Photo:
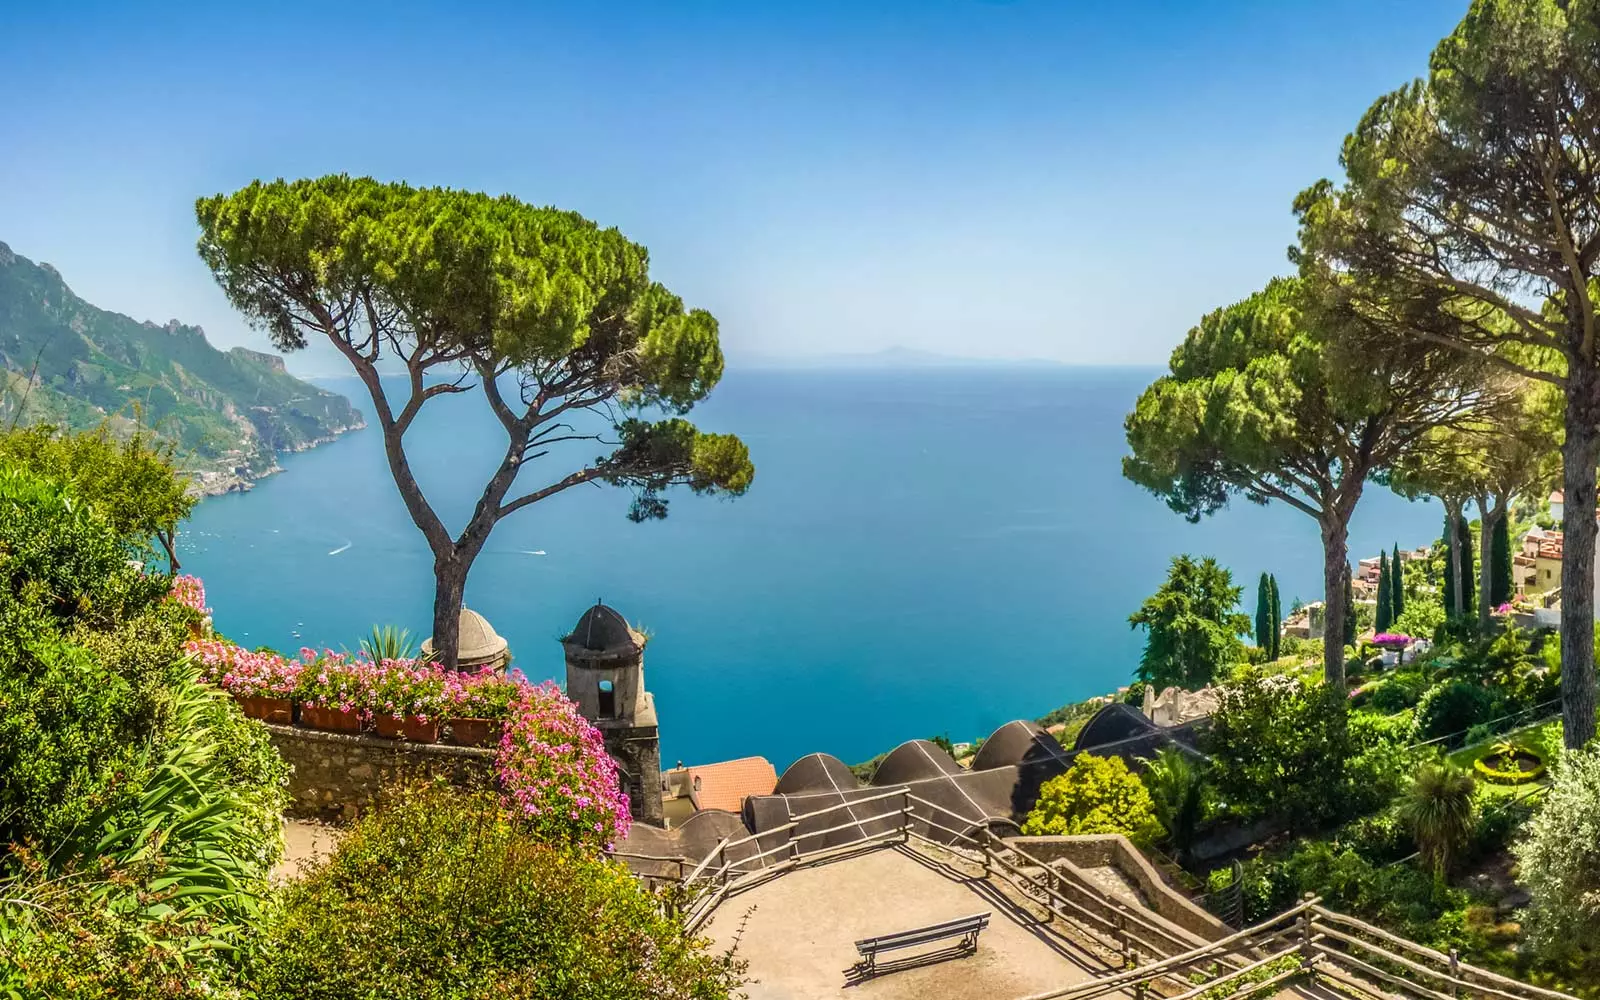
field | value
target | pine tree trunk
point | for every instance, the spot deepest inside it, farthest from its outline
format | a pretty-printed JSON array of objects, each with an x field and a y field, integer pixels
[
  {"x": 450, "y": 587},
  {"x": 1335, "y": 567},
  {"x": 1485, "y": 561},
  {"x": 1452, "y": 566},
  {"x": 1579, "y": 456}
]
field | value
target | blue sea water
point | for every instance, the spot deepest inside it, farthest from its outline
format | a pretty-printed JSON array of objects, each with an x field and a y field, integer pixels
[{"x": 924, "y": 552}]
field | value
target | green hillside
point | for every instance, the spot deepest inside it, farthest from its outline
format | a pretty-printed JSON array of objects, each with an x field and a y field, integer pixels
[{"x": 228, "y": 412}]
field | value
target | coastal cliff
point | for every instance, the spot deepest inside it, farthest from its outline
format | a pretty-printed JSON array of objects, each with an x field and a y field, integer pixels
[{"x": 227, "y": 414}]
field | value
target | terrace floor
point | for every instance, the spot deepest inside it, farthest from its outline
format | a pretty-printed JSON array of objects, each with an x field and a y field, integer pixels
[{"x": 798, "y": 933}]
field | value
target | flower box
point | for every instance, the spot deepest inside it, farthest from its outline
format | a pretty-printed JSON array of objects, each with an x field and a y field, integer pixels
[
  {"x": 330, "y": 719},
  {"x": 408, "y": 727},
  {"x": 278, "y": 711},
  {"x": 476, "y": 732}
]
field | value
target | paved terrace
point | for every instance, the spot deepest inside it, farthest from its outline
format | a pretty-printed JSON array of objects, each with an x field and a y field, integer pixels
[{"x": 798, "y": 932}]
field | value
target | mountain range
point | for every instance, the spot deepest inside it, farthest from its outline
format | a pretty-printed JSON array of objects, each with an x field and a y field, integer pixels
[{"x": 227, "y": 413}]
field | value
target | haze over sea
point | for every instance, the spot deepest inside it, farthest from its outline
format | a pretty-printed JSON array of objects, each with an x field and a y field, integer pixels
[{"x": 924, "y": 551}]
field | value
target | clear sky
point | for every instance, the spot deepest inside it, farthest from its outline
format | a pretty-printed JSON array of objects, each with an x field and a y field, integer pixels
[{"x": 1058, "y": 179}]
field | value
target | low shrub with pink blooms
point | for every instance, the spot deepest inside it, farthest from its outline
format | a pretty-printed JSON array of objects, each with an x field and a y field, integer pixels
[
  {"x": 556, "y": 774},
  {"x": 191, "y": 593},
  {"x": 244, "y": 673}
]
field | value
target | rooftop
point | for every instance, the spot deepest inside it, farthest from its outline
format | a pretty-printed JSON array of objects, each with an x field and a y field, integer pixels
[{"x": 725, "y": 785}]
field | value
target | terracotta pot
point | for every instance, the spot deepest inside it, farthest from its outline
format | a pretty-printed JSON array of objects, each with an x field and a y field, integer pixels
[
  {"x": 407, "y": 728},
  {"x": 278, "y": 711},
  {"x": 330, "y": 719},
  {"x": 476, "y": 732}
]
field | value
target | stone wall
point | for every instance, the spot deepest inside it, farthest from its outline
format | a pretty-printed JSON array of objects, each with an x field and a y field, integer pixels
[
  {"x": 1115, "y": 851},
  {"x": 338, "y": 776}
]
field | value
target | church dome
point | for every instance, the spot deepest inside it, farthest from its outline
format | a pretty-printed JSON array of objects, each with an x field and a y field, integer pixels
[
  {"x": 602, "y": 631},
  {"x": 478, "y": 643}
]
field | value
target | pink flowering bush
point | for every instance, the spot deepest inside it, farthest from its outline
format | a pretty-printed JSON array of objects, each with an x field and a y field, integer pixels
[
  {"x": 244, "y": 673},
  {"x": 191, "y": 593},
  {"x": 556, "y": 774},
  {"x": 402, "y": 687},
  {"x": 485, "y": 694}
]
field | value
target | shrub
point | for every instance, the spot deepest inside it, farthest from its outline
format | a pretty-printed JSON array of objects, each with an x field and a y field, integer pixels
[
  {"x": 1557, "y": 858},
  {"x": 1178, "y": 791},
  {"x": 1095, "y": 795},
  {"x": 1441, "y": 812},
  {"x": 1279, "y": 747},
  {"x": 1402, "y": 690},
  {"x": 557, "y": 776},
  {"x": 1452, "y": 708},
  {"x": 91, "y": 935},
  {"x": 440, "y": 896}
]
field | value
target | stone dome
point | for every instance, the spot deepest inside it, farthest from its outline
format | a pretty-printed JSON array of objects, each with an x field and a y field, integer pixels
[
  {"x": 478, "y": 642},
  {"x": 602, "y": 632}
]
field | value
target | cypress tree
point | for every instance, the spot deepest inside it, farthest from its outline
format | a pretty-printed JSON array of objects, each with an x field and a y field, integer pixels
[
  {"x": 1469, "y": 572},
  {"x": 1264, "y": 615},
  {"x": 1447, "y": 591},
  {"x": 1276, "y": 633},
  {"x": 1397, "y": 577},
  {"x": 1385, "y": 613},
  {"x": 1349, "y": 609},
  {"x": 1500, "y": 572}
]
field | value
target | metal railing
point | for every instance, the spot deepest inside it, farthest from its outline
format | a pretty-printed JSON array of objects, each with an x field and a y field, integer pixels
[{"x": 1307, "y": 940}]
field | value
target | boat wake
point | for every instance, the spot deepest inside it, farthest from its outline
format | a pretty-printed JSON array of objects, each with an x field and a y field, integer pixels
[
  {"x": 533, "y": 552},
  {"x": 340, "y": 549}
]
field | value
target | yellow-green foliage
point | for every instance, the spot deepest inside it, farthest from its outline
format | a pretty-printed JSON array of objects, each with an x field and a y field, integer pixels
[{"x": 1095, "y": 795}]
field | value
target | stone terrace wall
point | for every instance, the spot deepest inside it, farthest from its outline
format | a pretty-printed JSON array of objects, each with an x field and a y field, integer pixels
[
  {"x": 338, "y": 776},
  {"x": 1116, "y": 851}
]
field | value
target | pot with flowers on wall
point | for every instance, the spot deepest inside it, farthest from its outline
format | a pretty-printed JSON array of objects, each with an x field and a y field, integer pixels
[{"x": 478, "y": 705}]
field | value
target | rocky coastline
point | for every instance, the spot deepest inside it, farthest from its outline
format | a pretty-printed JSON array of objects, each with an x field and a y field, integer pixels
[{"x": 212, "y": 482}]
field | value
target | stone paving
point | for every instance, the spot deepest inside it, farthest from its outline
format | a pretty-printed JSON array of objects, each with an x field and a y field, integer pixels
[{"x": 798, "y": 933}]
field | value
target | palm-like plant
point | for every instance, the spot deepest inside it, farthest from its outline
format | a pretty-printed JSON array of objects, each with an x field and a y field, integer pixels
[
  {"x": 387, "y": 642},
  {"x": 1440, "y": 808},
  {"x": 1177, "y": 787}
]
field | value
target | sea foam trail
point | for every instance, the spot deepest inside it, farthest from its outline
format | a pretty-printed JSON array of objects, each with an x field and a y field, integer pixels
[{"x": 340, "y": 549}]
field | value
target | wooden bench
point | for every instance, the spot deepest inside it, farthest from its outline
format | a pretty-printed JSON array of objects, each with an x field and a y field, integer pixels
[{"x": 966, "y": 928}]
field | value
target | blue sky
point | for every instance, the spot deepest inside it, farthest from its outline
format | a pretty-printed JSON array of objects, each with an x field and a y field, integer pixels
[{"x": 1069, "y": 179}]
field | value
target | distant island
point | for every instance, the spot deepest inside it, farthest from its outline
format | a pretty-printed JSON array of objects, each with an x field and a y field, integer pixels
[{"x": 228, "y": 413}]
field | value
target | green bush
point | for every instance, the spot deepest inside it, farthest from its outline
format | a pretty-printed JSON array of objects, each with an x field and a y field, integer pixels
[
  {"x": 1453, "y": 708},
  {"x": 1095, "y": 795},
  {"x": 440, "y": 896},
  {"x": 1400, "y": 691},
  {"x": 87, "y": 934},
  {"x": 1279, "y": 748}
]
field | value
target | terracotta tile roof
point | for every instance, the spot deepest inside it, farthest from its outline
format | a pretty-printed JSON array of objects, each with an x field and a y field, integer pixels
[
  {"x": 1550, "y": 545},
  {"x": 725, "y": 785}
]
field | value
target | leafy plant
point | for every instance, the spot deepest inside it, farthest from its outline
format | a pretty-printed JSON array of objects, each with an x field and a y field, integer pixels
[
  {"x": 1557, "y": 857},
  {"x": 1178, "y": 791},
  {"x": 1452, "y": 708},
  {"x": 1440, "y": 810},
  {"x": 1279, "y": 747},
  {"x": 389, "y": 642},
  {"x": 1192, "y": 625},
  {"x": 441, "y": 896},
  {"x": 1094, "y": 795}
]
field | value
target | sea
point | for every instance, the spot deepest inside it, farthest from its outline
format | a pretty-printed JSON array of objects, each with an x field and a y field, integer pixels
[{"x": 924, "y": 552}]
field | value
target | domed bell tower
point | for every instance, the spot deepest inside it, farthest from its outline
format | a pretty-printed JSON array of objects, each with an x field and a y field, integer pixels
[{"x": 605, "y": 677}]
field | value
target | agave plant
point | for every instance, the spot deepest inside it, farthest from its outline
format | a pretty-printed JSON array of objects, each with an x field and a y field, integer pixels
[{"x": 387, "y": 642}]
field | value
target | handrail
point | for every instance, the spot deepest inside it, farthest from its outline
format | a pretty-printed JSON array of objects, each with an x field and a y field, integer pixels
[
  {"x": 1435, "y": 956},
  {"x": 1154, "y": 969}
]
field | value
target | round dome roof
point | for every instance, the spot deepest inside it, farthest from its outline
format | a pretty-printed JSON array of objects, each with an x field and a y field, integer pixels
[
  {"x": 603, "y": 630},
  {"x": 477, "y": 641}
]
